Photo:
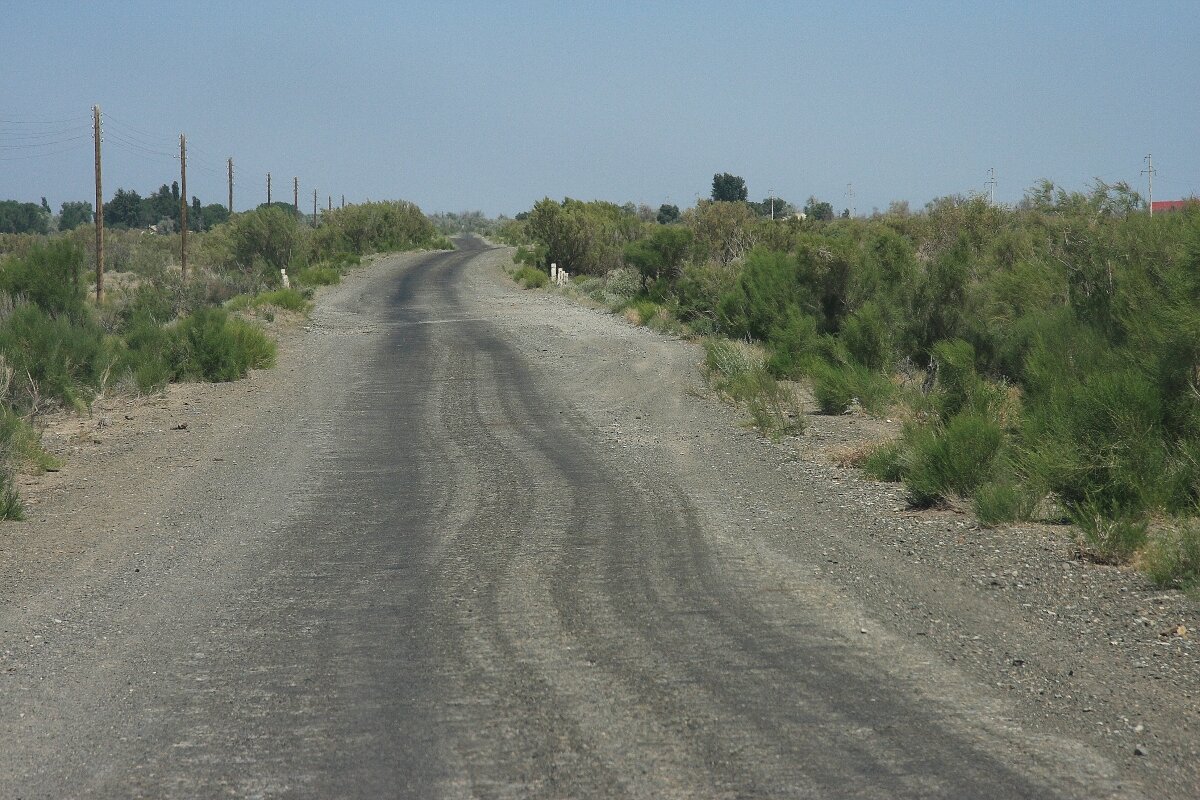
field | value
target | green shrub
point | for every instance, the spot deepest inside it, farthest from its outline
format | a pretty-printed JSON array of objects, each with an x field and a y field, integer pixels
[
  {"x": 373, "y": 228},
  {"x": 48, "y": 276},
  {"x": 837, "y": 386},
  {"x": 55, "y": 357},
  {"x": 21, "y": 445},
  {"x": 743, "y": 378},
  {"x": 216, "y": 347},
  {"x": 10, "y": 500},
  {"x": 531, "y": 278},
  {"x": 949, "y": 461},
  {"x": 1109, "y": 533},
  {"x": 1172, "y": 559},
  {"x": 265, "y": 240},
  {"x": 885, "y": 462},
  {"x": 1000, "y": 501},
  {"x": 645, "y": 310},
  {"x": 320, "y": 275},
  {"x": 867, "y": 338},
  {"x": 290, "y": 299}
]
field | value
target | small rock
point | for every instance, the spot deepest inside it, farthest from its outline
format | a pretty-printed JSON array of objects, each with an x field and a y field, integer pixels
[
  {"x": 103, "y": 422},
  {"x": 1139, "y": 750},
  {"x": 180, "y": 427}
]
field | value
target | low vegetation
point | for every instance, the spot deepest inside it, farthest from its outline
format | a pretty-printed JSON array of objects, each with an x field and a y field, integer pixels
[
  {"x": 58, "y": 348},
  {"x": 1046, "y": 356}
]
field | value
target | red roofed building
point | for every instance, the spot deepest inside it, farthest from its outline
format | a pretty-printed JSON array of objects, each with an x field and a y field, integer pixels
[{"x": 1160, "y": 206}]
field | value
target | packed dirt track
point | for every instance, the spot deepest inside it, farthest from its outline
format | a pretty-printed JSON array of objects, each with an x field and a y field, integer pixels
[{"x": 469, "y": 541}]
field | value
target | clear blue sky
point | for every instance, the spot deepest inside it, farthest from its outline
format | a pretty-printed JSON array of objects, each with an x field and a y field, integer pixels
[{"x": 491, "y": 106}]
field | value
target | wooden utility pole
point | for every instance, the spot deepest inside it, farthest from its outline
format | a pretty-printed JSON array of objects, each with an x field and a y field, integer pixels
[
  {"x": 183, "y": 206},
  {"x": 343, "y": 201},
  {"x": 296, "y": 194},
  {"x": 268, "y": 188},
  {"x": 330, "y": 207},
  {"x": 314, "y": 208},
  {"x": 99, "y": 215},
  {"x": 231, "y": 185}
]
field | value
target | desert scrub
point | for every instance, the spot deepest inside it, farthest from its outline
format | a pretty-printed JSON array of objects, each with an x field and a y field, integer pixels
[
  {"x": 999, "y": 501},
  {"x": 885, "y": 462},
  {"x": 531, "y": 278},
  {"x": 837, "y": 387},
  {"x": 318, "y": 275},
  {"x": 950, "y": 461},
  {"x": 1108, "y": 534},
  {"x": 740, "y": 376},
  {"x": 1171, "y": 559},
  {"x": 214, "y": 346},
  {"x": 287, "y": 299}
]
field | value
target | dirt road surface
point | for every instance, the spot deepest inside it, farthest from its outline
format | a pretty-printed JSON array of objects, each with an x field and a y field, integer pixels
[{"x": 469, "y": 541}]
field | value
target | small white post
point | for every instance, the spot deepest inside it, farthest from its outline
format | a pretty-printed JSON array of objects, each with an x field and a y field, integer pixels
[{"x": 286, "y": 283}]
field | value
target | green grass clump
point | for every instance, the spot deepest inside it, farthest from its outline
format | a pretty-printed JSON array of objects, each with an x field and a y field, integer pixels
[
  {"x": 531, "y": 278},
  {"x": 743, "y": 378},
  {"x": 1109, "y": 534},
  {"x": 214, "y": 346},
  {"x": 885, "y": 462},
  {"x": 289, "y": 299},
  {"x": 952, "y": 460},
  {"x": 1000, "y": 501},
  {"x": 1172, "y": 559},
  {"x": 837, "y": 387},
  {"x": 318, "y": 275}
]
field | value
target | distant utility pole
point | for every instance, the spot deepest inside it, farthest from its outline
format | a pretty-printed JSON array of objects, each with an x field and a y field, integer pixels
[
  {"x": 1149, "y": 173},
  {"x": 991, "y": 184},
  {"x": 231, "y": 185},
  {"x": 343, "y": 201},
  {"x": 314, "y": 208},
  {"x": 850, "y": 197},
  {"x": 296, "y": 194},
  {"x": 183, "y": 206},
  {"x": 268, "y": 188},
  {"x": 99, "y": 216},
  {"x": 330, "y": 208},
  {"x": 771, "y": 192}
]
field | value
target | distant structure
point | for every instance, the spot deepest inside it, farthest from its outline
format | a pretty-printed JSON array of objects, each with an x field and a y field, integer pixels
[{"x": 1164, "y": 206}]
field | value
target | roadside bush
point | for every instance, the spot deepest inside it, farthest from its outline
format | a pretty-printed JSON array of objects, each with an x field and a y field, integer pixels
[
  {"x": 531, "y": 278},
  {"x": 621, "y": 283},
  {"x": 1109, "y": 533},
  {"x": 1172, "y": 559},
  {"x": 837, "y": 387},
  {"x": 950, "y": 461},
  {"x": 48, "y": 276},
  {"x": 319, "y": 275},
  {"x": 1000, "y": 501},
  {"x": 885, "y": 462},
  {"x": 742, "y": 378},
  {"x": 216, "y": 347},
  {"x": 265, "y": 240},
  {"x": 10, "y": 501},
  {"x": 53, "y": 357},
  {"x": 374, "y": 227},
  {"x": 287, "y": 299},
  {"x": 152, "y": 354}
]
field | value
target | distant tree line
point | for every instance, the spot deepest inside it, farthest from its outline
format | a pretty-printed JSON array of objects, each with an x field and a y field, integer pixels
[{"x": 127, "y": 209}]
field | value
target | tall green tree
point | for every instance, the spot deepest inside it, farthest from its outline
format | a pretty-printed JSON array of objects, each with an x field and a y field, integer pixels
[
  {"x": 18, "y": 217},
  {"x": 125, "y": 210},
  {"x": 74, "y": 213},
  {"x": 667, "y": 214},
  {"x": 728, "y": 188}
]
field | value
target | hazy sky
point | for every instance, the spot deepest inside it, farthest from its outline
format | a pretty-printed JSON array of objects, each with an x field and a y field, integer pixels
[{"x": 493, "y": 105}]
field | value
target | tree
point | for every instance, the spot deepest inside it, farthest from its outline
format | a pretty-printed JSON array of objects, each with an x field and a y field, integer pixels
[
  {"x": 661, "y": 254},
  {"x": 774, "y": 208},
  {"x": 818, "y": 209},
  {"x": 667, "y": 214},
  {"x": 214, "y": 214},
  {"x": 17, "y": 217},
  {"x": 728, "y": 188},
  {"x": 74, "y": 213},
  {"x": 125, "y": 210}
]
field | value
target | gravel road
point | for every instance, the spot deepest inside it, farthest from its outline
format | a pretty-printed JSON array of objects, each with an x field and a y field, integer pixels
[{"x": 469, "y": 541}]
